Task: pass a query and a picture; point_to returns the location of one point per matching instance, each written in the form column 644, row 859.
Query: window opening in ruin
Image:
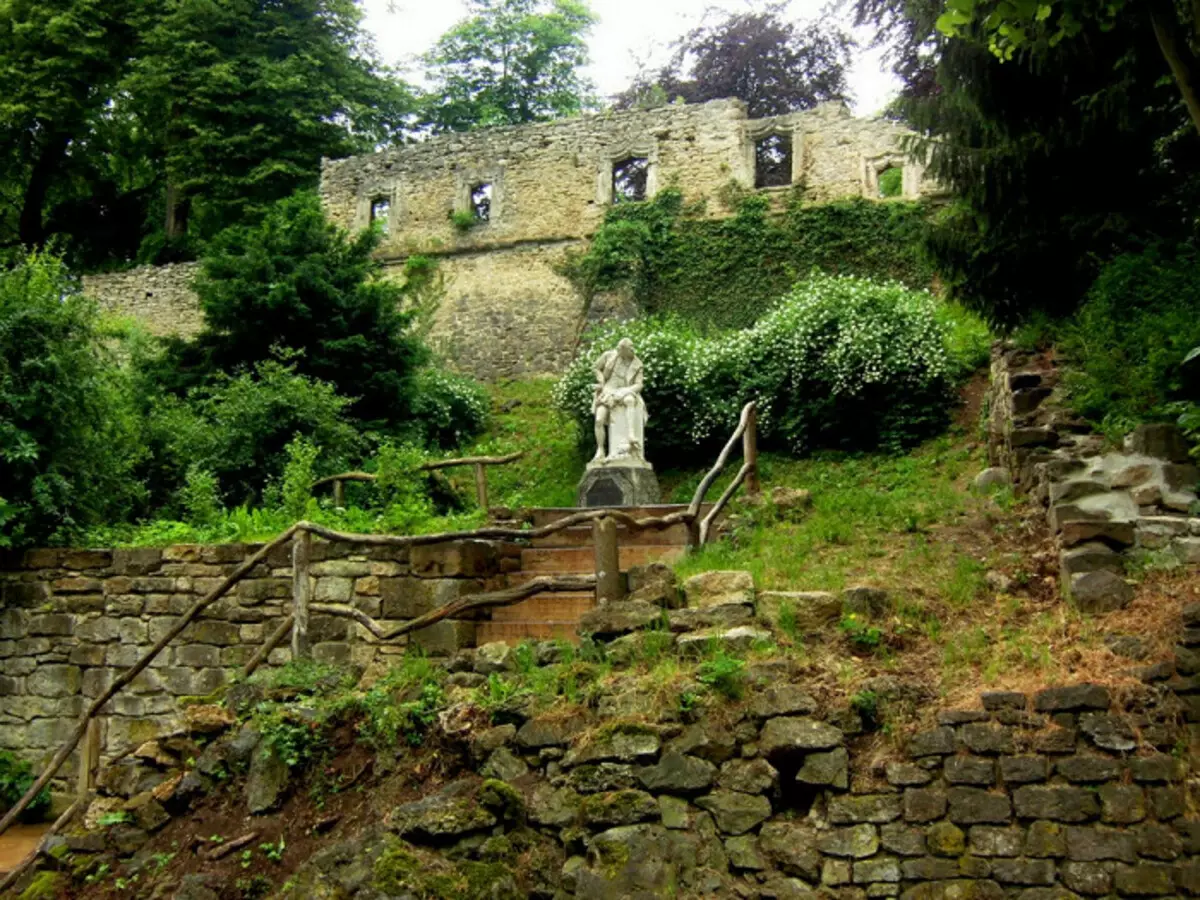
column 481, row 202
column 381, row 208
column 773, row 161
column 891, row 181
column 629, row 179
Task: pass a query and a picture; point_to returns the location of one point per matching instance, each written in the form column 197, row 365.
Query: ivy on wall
column 727, row 272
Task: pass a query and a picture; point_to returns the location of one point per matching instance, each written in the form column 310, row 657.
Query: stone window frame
column 618, row 153
column 465, row 182
column 874, row 166
column 763, row 128
column 366, row 205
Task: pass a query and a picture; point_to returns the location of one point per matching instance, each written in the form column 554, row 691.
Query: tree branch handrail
column 424, row 467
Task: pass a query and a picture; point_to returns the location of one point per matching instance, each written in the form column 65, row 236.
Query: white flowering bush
column 448, row 408
column 840, row 362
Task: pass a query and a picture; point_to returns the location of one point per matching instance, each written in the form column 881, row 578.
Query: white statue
column 619, row 408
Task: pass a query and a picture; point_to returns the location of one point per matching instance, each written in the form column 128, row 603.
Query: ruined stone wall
column 71, row 620
column 160, row 297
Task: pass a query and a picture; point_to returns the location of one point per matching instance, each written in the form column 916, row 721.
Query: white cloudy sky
column 628, row 31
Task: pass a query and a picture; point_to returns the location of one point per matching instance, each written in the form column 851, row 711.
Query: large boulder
column 268, row 780
column 720, row 587
column 809, row 610
column 451, row 812
column 615, row 619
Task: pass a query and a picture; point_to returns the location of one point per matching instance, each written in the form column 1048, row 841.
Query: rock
column 1024, row 769
column 810, row 610
column 992, row 479
column 655, row 584
column 622, row 744
column 781, row 700
column 1115, row 533
column 880, row 868
column 986, row 738
column 493, row 658
column 1073, row 489
column 625, row 807
column 750, row 776
column 906, row 840
column 548, row 732
column 1087, row 769
column 1023, row 871
column 1129, row 646
column 865, row 601
column 874, row 808
column 970, row 770
column 677, row 774
column 996, row 840
column 831, row 768
column 706, row 740
column 720, row 587
column 1072, row 698
column 998, row 581
column 945, row 839
column 855, row 842
column 735, row 812
column 907, row 775
column 1161, row 767
column 1108, row 731
column 1132, row 475
column 1145, row 879
column 1059, row 803
column 743, row 853
column 734, row 640
column 267, row 781
column 791, row 846
column 606, row 776
column 504, row 765
column 786, row 735
column 1100, row 591
column 629, row 861
column 196, row 887
column 723, row 616
column 1122, row 804
column 974, row 806
column 1046, row 839
column 789, row 502
column 451, row 812
column 674, row 812
column 1160, row 440
column 934, row 742
column 207, row 719
column 1090, row 556
column 614, row 619
column 553, row 807
column 993, row 700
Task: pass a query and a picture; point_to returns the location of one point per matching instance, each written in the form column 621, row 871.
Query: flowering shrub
column 448, row 408
column 840, row 362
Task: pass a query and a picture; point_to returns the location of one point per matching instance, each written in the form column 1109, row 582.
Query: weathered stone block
column 857, row 841
column 1158, row 841
column 935, row 742
column 1086, row 878
column 1046, row 839
column 792, row 847
column 904, row 840
column 1160, row 767
column 445, row 638
column 1094, row 843
column 460, row 559
column 997, row 840
column 879, row 868
column 54, row 681
column 970, row 806
column 1122, row 804
column 907, row 775
column 924, row 804
column 735, row 813
column 1086, row 769
column 875, row 808
column 1145, row 880
column 1058, row 803
column 1024, row 769
column 945, row 839
column 964, row 889
column 1023, row 871
column 830, row 768
column 52, row 624
column 788, row 735
column 974, row 770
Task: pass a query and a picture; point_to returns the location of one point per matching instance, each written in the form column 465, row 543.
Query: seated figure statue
column 619, row 408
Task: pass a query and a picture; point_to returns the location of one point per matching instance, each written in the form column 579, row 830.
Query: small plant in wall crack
column 463, row 220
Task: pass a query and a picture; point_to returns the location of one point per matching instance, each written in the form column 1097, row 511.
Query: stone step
column 582, row 560
column 581, row 536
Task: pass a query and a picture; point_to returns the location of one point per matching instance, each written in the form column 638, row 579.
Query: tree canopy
column 510, row 62
column 773, row 64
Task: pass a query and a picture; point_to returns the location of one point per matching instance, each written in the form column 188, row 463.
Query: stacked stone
column 159, row 297
column 1099, row 503
column 72, row 620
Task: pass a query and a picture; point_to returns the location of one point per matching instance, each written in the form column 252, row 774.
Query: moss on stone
column 45, row 886
column 503, row 798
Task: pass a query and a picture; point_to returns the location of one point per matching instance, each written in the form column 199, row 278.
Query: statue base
column 609, row 484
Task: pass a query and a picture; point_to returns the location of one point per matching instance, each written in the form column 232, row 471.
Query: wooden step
column 516, row 632
column 581, row 536
column 582, row 560
column 552, row 607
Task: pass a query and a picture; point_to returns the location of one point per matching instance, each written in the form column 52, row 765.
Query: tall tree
column 774, row 65
column 1038, row 25
column 511, row 61
column 246, row 96
column 59, row 63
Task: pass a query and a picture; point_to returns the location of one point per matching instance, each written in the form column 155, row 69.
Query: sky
column 629, row 31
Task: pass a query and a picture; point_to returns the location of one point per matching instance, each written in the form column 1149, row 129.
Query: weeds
column 723, row 673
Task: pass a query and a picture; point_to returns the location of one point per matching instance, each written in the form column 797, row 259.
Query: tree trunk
column 30, row 226
column 178, row 207
column 1178, row 54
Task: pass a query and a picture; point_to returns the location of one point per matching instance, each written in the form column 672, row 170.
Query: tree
column 244, row 97
column 512, row 61
column 774, row 65
column 59, row 62
column 68, row 440
column 1058, row 162
column 1015, row 26
column 296, row 283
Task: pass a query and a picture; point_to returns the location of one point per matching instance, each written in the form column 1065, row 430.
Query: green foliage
column 509, row 62
column 463, row 220
column 447, row 408
column 862, row 634
column 200, row 496
column 723, row 673
column 298, row 476
column 891, row 182
column 1126, row 346
column 68, row 438
column 404, row 703
column 727, row 272
column 299, row 282
column 16, row 777
column 840, row 362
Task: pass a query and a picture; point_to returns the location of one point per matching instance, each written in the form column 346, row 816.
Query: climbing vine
column 727, row 272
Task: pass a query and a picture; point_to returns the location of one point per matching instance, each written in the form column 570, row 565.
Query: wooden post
column 608, row 561
column 339, row 493
column 89, row 757
column 481, row 486
column 750, row 453
column 301, row 592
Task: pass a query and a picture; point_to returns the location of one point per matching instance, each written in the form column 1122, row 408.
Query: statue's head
column 625, row 349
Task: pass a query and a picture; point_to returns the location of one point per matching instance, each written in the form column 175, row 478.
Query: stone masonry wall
column 71, row 620
column 507, row 311
column 1102, row 502
column 160, row 297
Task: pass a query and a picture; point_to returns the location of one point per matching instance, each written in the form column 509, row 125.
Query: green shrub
column 727, row 272
column 448, row 408
column 69, row 438
column 841, row 362
column 1126, row 346
column 724, row 674
column 16, row 777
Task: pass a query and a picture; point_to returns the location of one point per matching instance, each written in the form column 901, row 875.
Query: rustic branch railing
column 479, row 462
column 606, row 581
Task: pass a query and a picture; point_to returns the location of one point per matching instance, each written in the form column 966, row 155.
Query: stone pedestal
column 608, row 484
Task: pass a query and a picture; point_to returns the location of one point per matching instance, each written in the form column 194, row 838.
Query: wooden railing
column 479, row 462
column 606, row 581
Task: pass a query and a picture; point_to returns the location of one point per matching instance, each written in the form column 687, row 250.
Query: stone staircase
column 570, row 552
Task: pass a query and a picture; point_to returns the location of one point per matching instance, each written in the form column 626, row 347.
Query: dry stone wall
column 1102, row 502
column 71, row 620
column 160, row 297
